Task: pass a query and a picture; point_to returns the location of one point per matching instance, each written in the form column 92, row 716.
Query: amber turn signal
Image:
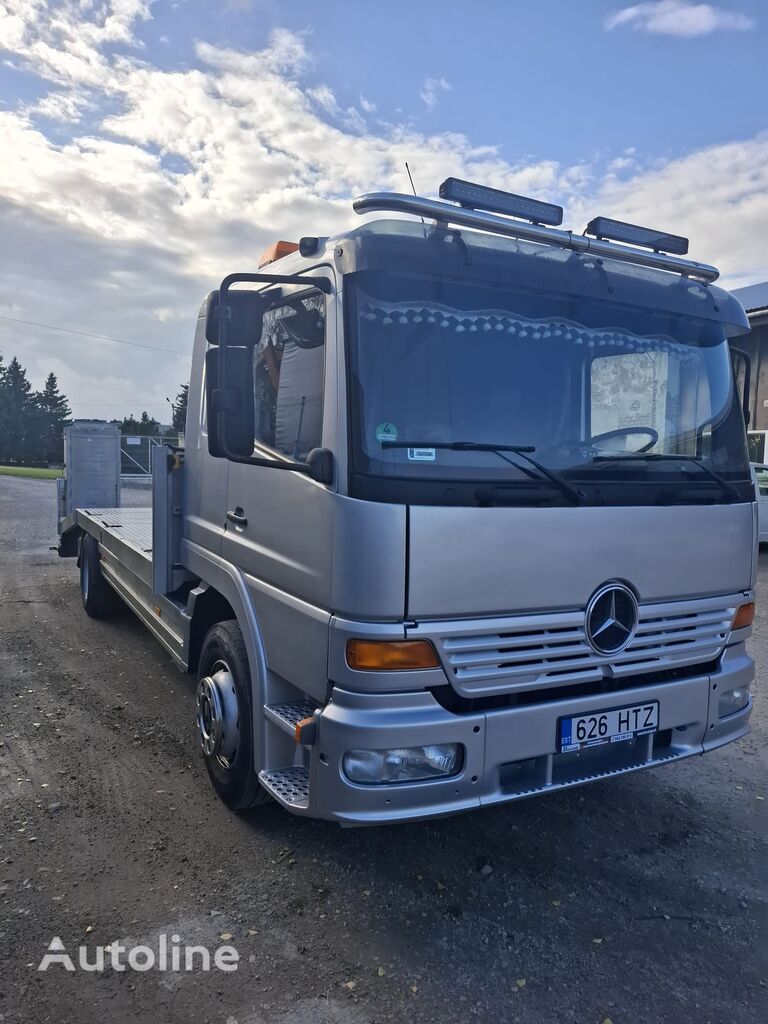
column 744, row 616
column 390, row 655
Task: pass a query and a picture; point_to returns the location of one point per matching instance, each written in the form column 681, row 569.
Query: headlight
column 732, row 701
column 402, row 764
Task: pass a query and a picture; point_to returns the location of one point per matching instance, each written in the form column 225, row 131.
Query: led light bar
column 480, row 197
column 633, row 234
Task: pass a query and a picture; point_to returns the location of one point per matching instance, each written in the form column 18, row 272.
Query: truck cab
column 474, row 494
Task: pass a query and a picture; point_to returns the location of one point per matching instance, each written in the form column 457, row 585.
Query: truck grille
column 539, row 651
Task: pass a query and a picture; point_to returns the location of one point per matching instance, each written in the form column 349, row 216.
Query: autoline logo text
column 167, row 955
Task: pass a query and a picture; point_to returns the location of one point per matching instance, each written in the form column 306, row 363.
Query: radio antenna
column 413, row 187
column 410, row 177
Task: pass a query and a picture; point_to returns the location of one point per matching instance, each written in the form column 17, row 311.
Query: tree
column 56, row 413
column 147, row 426
column 16, row 403
column 34, row 449
column 179, row 422
column 31, row 422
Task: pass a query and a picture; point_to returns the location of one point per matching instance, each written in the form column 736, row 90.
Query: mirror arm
column 322, row 284
column 319, row 464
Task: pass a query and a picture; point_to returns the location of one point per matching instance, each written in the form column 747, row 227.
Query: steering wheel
column 588, row 449
column 628, row 432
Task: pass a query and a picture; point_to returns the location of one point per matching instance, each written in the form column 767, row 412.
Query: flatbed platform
column 126, row 533
column 134, row 524
column 124, row 536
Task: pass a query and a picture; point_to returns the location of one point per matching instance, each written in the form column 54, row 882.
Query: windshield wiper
column 523, row 450
column 726, row 486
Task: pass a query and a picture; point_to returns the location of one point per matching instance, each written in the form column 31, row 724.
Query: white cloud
column 123, row 228
column 679, row 18
column 431, row 89
column 63, row 107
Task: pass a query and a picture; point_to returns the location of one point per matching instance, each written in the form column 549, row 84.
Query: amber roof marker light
column 275, row 252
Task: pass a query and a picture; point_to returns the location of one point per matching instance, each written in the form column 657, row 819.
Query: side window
column 288, row 365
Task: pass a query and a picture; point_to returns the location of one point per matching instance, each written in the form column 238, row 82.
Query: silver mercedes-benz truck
column 464, row 514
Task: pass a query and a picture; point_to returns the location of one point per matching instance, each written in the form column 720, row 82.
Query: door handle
column 237, row 517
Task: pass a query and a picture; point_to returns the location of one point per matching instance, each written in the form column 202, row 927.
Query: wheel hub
column 218, row 718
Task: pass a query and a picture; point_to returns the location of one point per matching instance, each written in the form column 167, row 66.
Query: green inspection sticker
column 386, row 432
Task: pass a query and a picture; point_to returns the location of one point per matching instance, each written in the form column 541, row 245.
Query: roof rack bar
column 397, row 202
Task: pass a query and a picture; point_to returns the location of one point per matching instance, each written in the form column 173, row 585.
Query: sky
column 148, row 148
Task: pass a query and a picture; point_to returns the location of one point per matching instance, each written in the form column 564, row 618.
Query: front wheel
column 225, row 717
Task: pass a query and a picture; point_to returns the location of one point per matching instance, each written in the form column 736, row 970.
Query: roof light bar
column 397, row 202
column 633, row 234
column 480, row 197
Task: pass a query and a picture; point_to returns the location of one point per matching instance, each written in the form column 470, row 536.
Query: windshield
column 584, row 383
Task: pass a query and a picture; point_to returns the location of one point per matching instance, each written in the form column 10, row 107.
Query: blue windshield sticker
column 421, row 454
column 386, row 432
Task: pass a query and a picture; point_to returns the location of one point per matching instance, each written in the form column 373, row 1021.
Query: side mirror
column 233, row 328
column 231, row 428
column 244, row 315
column 320, row 463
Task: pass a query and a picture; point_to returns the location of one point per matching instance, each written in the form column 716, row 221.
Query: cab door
column 278, row 524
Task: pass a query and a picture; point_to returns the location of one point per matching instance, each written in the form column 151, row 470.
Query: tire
column 99, row 599
column 225, row 717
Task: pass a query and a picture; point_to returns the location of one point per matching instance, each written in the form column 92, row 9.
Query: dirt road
column 639, row 900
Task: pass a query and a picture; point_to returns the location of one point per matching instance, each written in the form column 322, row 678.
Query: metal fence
column 136, row 453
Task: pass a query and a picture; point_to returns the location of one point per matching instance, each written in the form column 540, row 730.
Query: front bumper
column 509, row 753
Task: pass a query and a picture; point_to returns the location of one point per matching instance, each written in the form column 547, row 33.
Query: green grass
column 39, row 474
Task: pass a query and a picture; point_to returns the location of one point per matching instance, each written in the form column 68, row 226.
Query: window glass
column 288, row 364
column 666, row 390
column 761, row 472
column 630, row 391
column 756, row 442
column 445, row 365
column 445, row 371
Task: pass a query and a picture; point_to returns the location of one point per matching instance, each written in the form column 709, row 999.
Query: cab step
column 288, row 714
column 289, row 786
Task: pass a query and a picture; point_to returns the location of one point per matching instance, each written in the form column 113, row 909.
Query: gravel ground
column 637, row 900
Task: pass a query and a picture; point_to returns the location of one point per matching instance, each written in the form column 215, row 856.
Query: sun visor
column 410, row 248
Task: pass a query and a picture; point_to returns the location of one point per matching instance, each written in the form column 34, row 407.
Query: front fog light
column 403, row 764
column 732, row 701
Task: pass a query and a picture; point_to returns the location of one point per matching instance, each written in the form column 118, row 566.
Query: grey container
column 92, row 449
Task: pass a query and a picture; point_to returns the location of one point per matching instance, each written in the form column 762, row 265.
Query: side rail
column 168, row 574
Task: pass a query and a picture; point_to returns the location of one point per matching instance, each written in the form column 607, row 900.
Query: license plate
column 617, row 725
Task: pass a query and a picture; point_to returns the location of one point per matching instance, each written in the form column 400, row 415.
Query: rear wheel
column 99, row 599
column 225, row 717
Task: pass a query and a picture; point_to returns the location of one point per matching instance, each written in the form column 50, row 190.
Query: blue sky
column 151, row 147
column 541, row 79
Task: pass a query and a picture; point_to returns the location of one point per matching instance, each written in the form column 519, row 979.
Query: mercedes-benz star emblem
column 611, row 619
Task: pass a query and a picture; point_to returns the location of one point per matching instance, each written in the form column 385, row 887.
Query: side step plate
column 288, row 714
column 289, row 786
